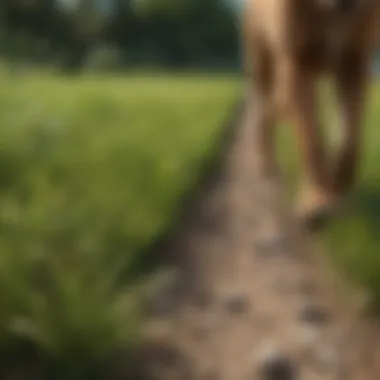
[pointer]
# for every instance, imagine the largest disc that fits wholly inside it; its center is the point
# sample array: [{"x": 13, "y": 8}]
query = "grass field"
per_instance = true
[{"x": 92, "y": 172}]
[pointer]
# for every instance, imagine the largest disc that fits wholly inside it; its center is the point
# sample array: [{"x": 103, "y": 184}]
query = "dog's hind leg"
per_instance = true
[{"x": 351, "y": 79}]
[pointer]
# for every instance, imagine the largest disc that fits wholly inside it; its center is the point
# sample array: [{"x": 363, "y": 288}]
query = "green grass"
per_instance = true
[{"x": 92, "y": 171}]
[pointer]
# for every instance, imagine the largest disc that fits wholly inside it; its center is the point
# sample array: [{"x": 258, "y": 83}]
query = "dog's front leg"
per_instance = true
[{"x": 296, "y": 94}]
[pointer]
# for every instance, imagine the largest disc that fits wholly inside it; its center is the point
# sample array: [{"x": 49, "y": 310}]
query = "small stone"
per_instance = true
[
  {"x": 314, "y": 314},
  {"x": 276, "y": 366},
  {"x": 236, "y": 304}
]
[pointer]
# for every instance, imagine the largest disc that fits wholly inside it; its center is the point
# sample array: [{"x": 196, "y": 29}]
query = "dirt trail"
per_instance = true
[{"x": 255, "y": 297}]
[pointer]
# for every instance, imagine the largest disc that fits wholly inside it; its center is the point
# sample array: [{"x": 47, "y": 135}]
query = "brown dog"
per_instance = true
[{"x": 288, "y": 44}]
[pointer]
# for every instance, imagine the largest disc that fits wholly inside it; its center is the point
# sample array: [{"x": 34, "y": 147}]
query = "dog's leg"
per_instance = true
[
  {"x": 262, "y": 114},
  {"x": 352, "y": 79},
  {"x": 296, "y": 89}
]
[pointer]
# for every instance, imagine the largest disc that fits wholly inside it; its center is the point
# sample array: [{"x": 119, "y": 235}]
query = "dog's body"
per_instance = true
[{"x": 288, "y": 44}]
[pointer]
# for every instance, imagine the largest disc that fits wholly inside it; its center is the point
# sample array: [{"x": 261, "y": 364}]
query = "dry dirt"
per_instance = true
[{"x": 255, "y": 297}]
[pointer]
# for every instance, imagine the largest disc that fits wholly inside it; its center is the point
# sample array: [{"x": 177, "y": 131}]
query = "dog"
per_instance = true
[{"x": 288, "y": 45}]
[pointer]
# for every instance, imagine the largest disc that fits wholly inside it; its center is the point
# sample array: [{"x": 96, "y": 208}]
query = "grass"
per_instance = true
[{"x": 92, "y": 171}]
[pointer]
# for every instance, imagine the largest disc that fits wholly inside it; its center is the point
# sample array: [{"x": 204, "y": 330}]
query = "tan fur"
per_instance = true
[{"x": 288, "y": 45}]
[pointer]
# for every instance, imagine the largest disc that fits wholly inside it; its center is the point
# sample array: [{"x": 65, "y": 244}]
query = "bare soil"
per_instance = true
[{"x": 255, "y": 296}]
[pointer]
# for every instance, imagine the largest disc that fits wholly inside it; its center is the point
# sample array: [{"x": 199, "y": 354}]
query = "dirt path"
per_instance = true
[{"x": 255, "y": 298}]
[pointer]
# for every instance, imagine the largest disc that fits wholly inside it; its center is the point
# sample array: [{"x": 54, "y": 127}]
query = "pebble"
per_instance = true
[
  {"x": 314, "y": 314},
  {"x": 276, "y": 366},
  {"x": 236, "y": 304}
]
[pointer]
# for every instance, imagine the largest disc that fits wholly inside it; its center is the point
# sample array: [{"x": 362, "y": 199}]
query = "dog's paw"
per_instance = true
[{"x": 314, "y": 210}]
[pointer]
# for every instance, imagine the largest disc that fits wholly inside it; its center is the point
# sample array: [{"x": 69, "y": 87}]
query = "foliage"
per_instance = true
[{"x": 173, "y": 33}]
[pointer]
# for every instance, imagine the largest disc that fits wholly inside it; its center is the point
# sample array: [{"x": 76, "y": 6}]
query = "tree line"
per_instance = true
[{"x": 170, "y": 33}]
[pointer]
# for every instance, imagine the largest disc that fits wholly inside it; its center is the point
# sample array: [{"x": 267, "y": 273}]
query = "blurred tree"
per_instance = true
[
  {"x": 161, "y": 6},
  {"x": 86, "y": 27},
  {"x": 189, "y": 31},
  {"x": 177, "y": 32}
]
